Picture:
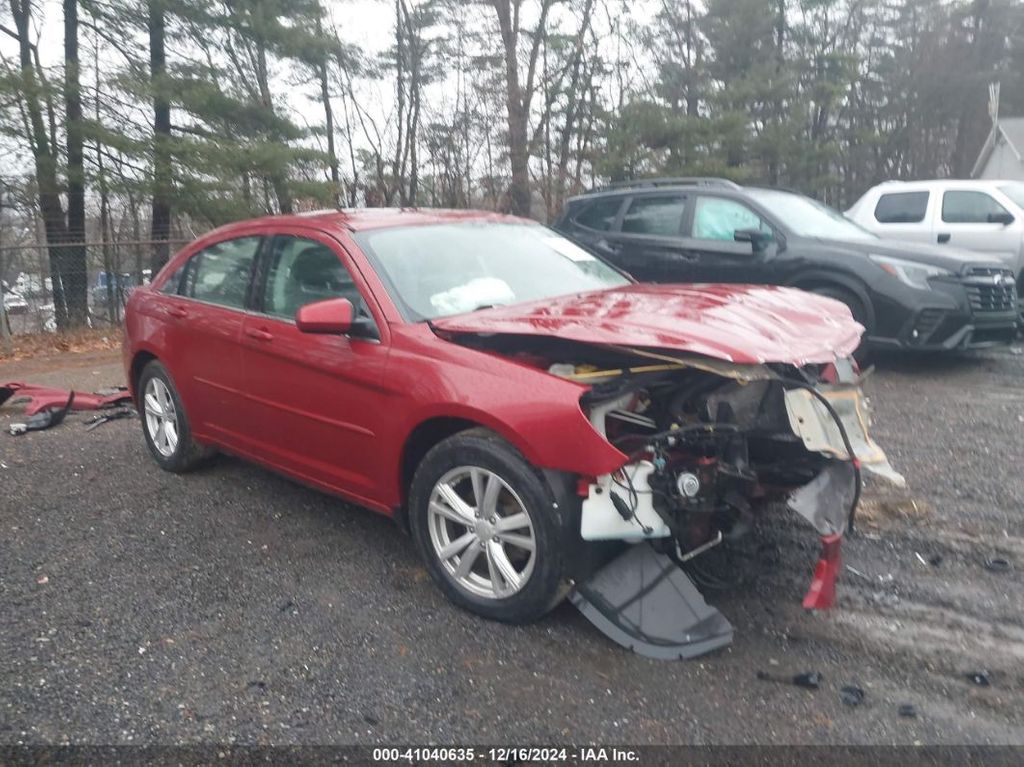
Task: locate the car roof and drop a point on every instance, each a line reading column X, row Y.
column 361, row 219
column 941, row 183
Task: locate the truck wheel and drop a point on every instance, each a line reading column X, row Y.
column 487, row 529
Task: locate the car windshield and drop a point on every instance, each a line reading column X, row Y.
column 442, row 269
column 809, row 218
column 1015, row 192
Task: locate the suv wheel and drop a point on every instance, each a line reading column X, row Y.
column 856, row 307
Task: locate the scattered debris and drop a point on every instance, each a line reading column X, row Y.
column 907, row 710
column 935, row 560
column 997, row 564
column 979, row 678
column 44, row 419
column 858, row 573
column 110, row 415
column 42, row 580
column 851, row 695
column 809, row 680
column 40, row 398
column 920, row 559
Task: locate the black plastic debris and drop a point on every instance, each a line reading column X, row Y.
column 851, row 695
column 643, row 601
column 907, row 710
column 44, row 419
column 935, row 560
column 979, row 678
column 809, row 680
column 997, row 565
column 109, row 415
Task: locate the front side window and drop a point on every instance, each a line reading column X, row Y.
column 220, row 274
column 715, row 218
column 301, row 272
column 901, row 208
column 1015, row 191
column 442, row 269
column 600, row 215
column 659, row 215
column 969, row 208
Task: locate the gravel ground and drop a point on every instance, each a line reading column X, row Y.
column 234, row 606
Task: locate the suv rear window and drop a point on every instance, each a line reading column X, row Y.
column 901, row 208
column 661, row 215
column 600, row 215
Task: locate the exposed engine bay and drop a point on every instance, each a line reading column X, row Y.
column 709, row 445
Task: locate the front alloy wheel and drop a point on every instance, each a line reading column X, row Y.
column 165, row 423
column 481, row 532
column 488, row 530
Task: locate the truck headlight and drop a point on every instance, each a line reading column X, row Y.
column 910, row 272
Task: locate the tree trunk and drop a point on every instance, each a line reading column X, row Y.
column 160, row 231
column 74, row 275
column 518, row 115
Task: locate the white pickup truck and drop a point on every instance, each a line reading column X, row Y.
column 984, row 216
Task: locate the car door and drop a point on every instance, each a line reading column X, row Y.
column 314, row 402
column 648, row 241
column 711, row 241
column 203, row 311
column 966, row 221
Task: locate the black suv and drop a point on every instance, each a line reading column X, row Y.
column 712, row 230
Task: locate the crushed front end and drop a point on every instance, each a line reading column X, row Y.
column 710, row 446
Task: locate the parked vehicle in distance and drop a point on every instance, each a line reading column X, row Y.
column 906, row 295
column 519, row 403
column 13, row 302
column 982, row 216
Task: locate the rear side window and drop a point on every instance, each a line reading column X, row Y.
column 600, row 215
column 220, row 274
column 901, row 208
column 969, row 208
column 660, row 215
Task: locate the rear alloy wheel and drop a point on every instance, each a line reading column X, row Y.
column 164, row 422
column 487, row 529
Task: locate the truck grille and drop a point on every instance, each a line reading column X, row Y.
column 991, row 289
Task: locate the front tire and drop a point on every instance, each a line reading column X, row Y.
column 487, row 529
column 164, row 422
column 857, row 309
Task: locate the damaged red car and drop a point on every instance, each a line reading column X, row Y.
column 544, row 426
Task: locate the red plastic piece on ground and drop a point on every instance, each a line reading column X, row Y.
column 41, row 397
column 822, row 593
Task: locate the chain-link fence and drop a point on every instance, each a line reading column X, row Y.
column 114, row 269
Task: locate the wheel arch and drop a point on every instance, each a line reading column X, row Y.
column 822, row 279
column 142, row 358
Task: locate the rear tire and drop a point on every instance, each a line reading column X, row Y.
column 165, row 424
column 487, row 529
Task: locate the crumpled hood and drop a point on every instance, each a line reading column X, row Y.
column 746, row 324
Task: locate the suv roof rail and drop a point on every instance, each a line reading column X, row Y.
column 656, row 182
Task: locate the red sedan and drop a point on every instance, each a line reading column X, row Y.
column 520, row 405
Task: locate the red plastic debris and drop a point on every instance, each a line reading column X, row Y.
column 822, row 593
column 42, row 397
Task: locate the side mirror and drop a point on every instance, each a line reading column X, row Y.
column 332, row 317
column 1005, row 218
column 758, row 239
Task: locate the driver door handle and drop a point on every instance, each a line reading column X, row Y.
column 611, row 247
column 944, row 237
column 259, row 335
